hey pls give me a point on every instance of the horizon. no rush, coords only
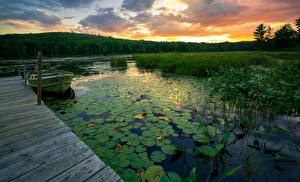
(98, 35)
(194, 21)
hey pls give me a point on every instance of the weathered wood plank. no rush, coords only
(27, 126)
(15, 115)
(36, 146)
(57, 166)
(82, 171)
(29, 134)
(32, 150)
(14, 89)
(33, 162)
(18, 109)
(4, 150)
(18, 99)
(25, 117)
(18, 103)
(11, 96)
(106, 174)
(4, 79)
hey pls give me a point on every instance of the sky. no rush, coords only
(156, 20)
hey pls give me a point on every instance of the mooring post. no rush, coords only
(19, 73)
(24, 74)
(39, 86)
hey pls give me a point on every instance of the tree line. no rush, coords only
(61, 44)
(285, 37)
(18, 46)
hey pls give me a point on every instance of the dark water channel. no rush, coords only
(135, 119)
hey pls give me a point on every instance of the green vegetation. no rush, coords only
(273, 90)
(118, 62)
(72, 44)
(264, 81)
(201, 64)
(145, 125)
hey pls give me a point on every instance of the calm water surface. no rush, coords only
(134, 119)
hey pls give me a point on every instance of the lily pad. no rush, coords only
(171, 177)
(137, 163)
(147, 133)
(209, 151)
(129, 175)
(102, 138)
(148, 141)
(140, 149)
(153, 174)
(166, 141)
(169, 149)
(124, 163)
(158, 156)
(201, 138)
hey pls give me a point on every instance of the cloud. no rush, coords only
(37, 15)
(69, 17)
(137, 5)
(74, 3)
(106, 20)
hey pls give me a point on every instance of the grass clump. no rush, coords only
(118, 62)
(275, 90)
(201, 64)
(268, 82)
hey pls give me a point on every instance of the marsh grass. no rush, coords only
(202, 64)
(274, 90)
(263, 81)
(118, 62)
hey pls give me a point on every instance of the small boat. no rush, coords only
(54, 81)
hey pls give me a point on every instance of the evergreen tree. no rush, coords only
(260, 32)
(285, 36)
(298, 28)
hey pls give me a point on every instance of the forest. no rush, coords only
(57, 44)
(62, 44)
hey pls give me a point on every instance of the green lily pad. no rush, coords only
(148, 163)
(201, 138)
(137, 163)
(159, 143)
(169, 149)
(140, 149)
(148, 142)
(147, 133)
(158, 156)
(102, 138)
(129, 175)
(166, 141)
(153, 174)
(171, 177)
(209, 151)
(124, 163)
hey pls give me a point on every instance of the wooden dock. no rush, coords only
(37, 146)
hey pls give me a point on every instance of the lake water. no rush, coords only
(134, 119)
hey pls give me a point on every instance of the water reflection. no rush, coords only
(127, 115)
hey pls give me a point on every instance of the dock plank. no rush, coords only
(82, 171)
(105, 174)
(40, 159)
(37, 146)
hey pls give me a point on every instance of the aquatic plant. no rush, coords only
(118, 62)
(273, 91)
(201, 64)
(138, 121)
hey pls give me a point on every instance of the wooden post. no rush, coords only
(39, 86)
(24, 73)
(19, 73)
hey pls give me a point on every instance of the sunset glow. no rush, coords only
(157, 20)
